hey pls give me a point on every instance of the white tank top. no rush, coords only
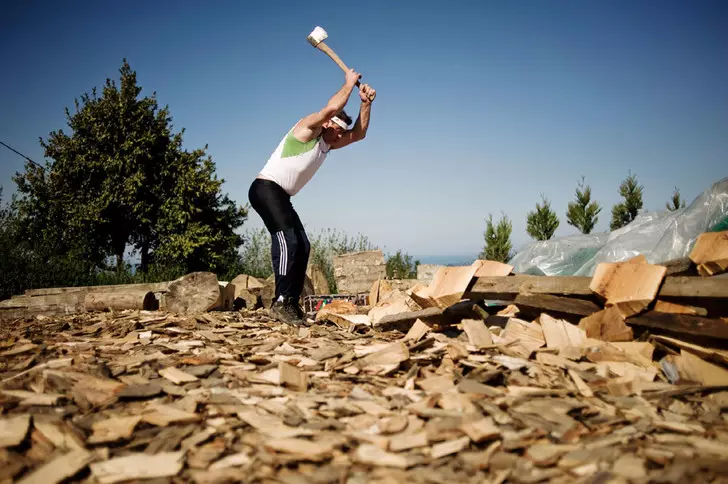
(294, 163)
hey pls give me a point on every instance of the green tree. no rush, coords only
(121, 181)
(583, 212)
(625, 212)
(498, 245)
(542, 222)
(401, 266)
(676, 202)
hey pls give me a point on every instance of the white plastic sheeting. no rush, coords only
(659, 236)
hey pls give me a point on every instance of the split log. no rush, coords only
(195, 292)
(710, 253)
(508, 287)
(119, 301)
(631, 286)
(447, 286)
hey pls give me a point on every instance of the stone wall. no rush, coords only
(356, 272)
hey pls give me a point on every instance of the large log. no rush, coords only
(195, 292)
(155, 287)
(120, 300)
(508, 287)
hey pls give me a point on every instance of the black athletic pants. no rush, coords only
(289, 245)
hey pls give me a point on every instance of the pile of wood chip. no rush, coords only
(480, 376)
(236, 397)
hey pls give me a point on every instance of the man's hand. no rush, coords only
(367, 93)
(351, 77)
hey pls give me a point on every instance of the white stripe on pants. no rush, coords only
(283, 261)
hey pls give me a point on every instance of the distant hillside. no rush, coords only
(446, 260)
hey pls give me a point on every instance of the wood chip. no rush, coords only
(451, 447)
(560, 334)
(478, 333)
(13, 430)
(481, 430)
(113, 429)
(137, 466)
(292, 377)
(372, 455)
(59, 469)
(177, 376)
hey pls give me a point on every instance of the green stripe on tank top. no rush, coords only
(293, 147)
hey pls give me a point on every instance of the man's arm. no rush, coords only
(307, 129)
(359, 131)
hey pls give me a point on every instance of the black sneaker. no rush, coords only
(285, 311)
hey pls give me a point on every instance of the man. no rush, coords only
(294, 162)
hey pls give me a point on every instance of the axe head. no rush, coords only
(317, 36)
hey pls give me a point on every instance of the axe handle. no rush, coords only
(329, 52)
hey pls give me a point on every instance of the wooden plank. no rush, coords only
(508, 287)
(682, 323)
(556, 304)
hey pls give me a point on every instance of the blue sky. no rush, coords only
(482, 105)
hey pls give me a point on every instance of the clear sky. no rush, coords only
(482, 105)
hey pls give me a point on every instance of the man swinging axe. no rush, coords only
(293, 163)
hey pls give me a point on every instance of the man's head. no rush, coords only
(335, 127)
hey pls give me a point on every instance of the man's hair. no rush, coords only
(344, 117)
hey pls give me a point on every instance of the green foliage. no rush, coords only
(625, 212)
(542, 222)
(498, 245)
(676, 202)
(401, 266)
(122, 180)
(583, 212)
(255, 258)
(27, 263)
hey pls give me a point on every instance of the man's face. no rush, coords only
(332, 132)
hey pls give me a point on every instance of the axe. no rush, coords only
(316, 38)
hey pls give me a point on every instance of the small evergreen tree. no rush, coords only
(497, 240)
(676, 202)
(542, 222)
(625, 212)
(401, 266)
(583, 212)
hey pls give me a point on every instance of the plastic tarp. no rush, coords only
(659, 236)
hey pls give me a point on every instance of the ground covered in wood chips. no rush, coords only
(237, 397)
